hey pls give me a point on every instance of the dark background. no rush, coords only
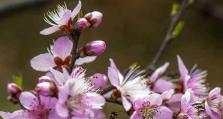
(133, 30)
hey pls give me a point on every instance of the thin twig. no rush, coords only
(75, 35)
(169, 35)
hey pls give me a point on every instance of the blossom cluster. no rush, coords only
(65, 92)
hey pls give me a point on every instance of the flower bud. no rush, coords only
(44, 79)
(99, 80)
(46, 88)
(14, 92)
(94, 18)
(82, 23)
(94, 48)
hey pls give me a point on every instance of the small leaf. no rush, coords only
(175, 9)
(17, 79)
(134, 65)
(80, 14)
(178, 29)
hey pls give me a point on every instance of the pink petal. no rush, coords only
(126, 104)
(186, 100)
(159, 72)
(164, 112)
(78, 72)
(62, 47)
(43, 62)
(114, 75)
(138, 104)
(167, 94)
(136, 115)
(182, 69)
(62, 110)
(93, 100)
(174, 102)
(53, 115)
(216, 92)
(163, 85)
(19, 114)
(29, 100)
(50, 30)
(59, 78)
(76, 10)
(84, 60)
(154, 99)
(48, 102)
(66, 18)
(211, 113)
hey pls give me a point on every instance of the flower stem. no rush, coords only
(169, 34)
(75, 35)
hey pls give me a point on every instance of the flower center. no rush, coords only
(148, 112)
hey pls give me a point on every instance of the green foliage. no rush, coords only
(80, 14)
(178, 29)
(175, 9)
(17, 79)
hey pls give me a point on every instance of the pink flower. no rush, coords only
(132, 86)
(76, 95)
(150, 108)
(213, 104)
(193, 80)
(34, 107)
(61, 19)
(59, 56)
(191, 107)
(157, 82)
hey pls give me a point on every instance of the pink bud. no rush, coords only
(46, 88)
(94, 18)
(94, 48)
(82, 23)
(99, 80)
(44, 79)
(14, 92)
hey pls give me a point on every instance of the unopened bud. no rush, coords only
(14, 92)
(94, 48)
(99, 80)
(46, 88)
(94, 18)
(82, 23)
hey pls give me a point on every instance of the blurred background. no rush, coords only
(133, 30)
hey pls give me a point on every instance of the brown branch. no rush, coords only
(75, 35)
(169, 35)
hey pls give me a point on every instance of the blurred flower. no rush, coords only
(94, 18)
(194, 80)
(150, 108)
(34, 107)
(213, 104)
(58, 57)
(61, 19)
(130, 87)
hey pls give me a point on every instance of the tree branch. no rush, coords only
(169, 35)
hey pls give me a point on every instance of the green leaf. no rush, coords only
(178, 29)
(134, 65)
(17, 79)
(175, 9)
(80, 14)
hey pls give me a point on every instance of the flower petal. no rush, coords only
(19, 114)
(62, 47)
(42, 62)
(94, 100)
(50, 30)
(62, 110)
(84, 60)
(76, 10)
(28, 100)
(162, 85)
(182, 69)
(114, 74)
(154, 99)
(136, 115)
(167, 94)
(164, 112)
(159, 72)
(126, 104)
